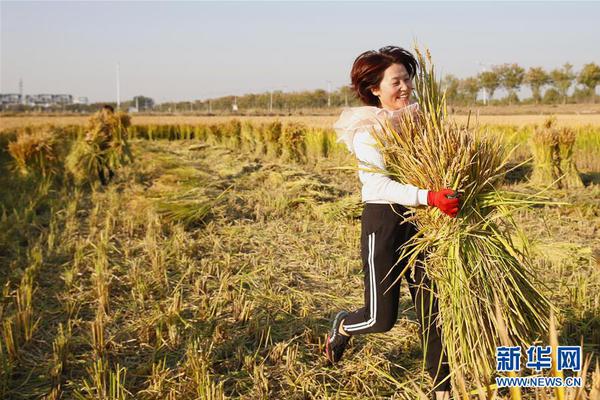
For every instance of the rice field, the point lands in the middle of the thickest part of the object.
(211, 265)
(573, 119)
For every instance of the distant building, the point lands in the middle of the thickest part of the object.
(43, 100)
(10, 98)
(47, 100)
(81, 100)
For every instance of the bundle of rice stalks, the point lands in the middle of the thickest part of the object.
(103, 150)
(35, 151)
(346, 208)
(191, 208)
(272, 133)
(319, 143)
(232, 130)
(293, 140)
(568, 170)
(248, 134)
(472, 260)
(214, 134)
(544, 147)
(84, 161)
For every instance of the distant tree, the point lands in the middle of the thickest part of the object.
(347, 95)
(490, 81)
(581, 94)
(551, 96)
(451, 84)
(143, 103)
(562, 78)
(469, 87)
(511, 78)
(536, 77)
(590, 78)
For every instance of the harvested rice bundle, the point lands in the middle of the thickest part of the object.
(472, 259)
(293, 140)
(272, 137)
(232, 130)
(191, 208)
(103, 150)
(544, 147)
(568, 170)
(35, 150)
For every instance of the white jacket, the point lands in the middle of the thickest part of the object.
(354, 129)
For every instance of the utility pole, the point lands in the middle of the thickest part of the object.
(483, 68)
(271, 103)
(22, 99)
(118, 89)
(328, 93)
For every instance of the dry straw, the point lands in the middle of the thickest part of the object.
(553, 161)
(569, 174)
(35, 151)
(104, 147)
(472, 259)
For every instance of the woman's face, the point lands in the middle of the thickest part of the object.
(395, 88)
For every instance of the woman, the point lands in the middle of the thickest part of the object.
(383, 81)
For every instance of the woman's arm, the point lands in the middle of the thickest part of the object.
(378, 186)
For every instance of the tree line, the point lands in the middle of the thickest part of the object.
(547, 87)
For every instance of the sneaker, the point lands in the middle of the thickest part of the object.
(336, 343)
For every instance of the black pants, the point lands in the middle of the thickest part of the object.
(383, 234)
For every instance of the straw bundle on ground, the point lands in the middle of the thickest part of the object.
(569, 175)
(553, 161)
(472, 259)
(35, 151)
(103, 150)
(544, 147)
(293, 141)
(271, 135)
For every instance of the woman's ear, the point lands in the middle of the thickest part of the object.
(375, 92)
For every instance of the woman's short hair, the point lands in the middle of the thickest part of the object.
(369, 67)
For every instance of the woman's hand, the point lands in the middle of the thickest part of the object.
(448, 205)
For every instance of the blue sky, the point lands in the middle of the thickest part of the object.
(195, 50)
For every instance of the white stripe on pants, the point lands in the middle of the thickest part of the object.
(373, 292)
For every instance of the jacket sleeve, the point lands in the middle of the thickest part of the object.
(379, 186)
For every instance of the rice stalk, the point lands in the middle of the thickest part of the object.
(60, 354)
(472, 259)
(595, 392)
(553, 333)
(103, 383)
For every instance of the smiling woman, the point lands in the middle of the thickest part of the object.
(383, 81)
(384, 78)
(395, 88)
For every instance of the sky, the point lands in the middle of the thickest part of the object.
(198, 50)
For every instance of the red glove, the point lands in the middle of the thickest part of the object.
(440, 200)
